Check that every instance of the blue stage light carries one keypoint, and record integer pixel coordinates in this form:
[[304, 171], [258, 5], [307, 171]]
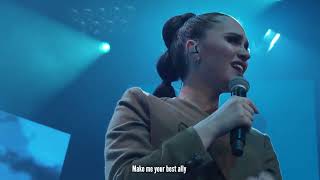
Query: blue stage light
[[271, 39], [105, 47], [274, 40]]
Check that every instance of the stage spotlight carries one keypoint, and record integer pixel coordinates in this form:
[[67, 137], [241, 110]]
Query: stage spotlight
[[105, 47], [271, 38], [46, 68], [273, 42]]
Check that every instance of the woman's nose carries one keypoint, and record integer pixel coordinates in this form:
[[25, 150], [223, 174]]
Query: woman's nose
[[244, 54]]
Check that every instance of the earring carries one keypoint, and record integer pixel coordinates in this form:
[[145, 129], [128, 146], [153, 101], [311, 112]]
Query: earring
[[196, 49]]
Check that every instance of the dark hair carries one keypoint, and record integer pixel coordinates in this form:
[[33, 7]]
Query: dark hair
[[172, 65]]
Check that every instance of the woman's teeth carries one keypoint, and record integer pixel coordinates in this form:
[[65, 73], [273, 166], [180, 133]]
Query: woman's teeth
[[238, 67]]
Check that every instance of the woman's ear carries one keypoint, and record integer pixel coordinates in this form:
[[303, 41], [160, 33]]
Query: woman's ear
[[193, 51], [192, 46]]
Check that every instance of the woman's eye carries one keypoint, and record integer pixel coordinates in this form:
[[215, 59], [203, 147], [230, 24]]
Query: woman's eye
[[233, 40]]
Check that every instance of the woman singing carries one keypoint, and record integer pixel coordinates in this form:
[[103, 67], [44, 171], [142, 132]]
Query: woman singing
[[164, 136]]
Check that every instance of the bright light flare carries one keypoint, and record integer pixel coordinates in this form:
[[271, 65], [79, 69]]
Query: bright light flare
[[274, 40], [105, 47], [271, 38]]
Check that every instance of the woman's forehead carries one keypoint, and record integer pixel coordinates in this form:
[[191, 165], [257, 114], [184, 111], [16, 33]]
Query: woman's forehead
[[227, 25]]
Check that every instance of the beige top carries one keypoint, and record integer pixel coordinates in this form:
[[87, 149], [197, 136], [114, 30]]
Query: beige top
[[150, 131]]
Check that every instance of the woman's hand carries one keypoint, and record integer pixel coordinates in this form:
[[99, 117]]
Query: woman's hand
[[235, 112], [262, 176]]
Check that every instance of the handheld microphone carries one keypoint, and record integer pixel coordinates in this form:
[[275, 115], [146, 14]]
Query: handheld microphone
[[238, 87]]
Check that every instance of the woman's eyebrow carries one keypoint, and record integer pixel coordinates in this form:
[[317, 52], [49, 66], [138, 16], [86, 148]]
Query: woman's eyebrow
[[246, 44]]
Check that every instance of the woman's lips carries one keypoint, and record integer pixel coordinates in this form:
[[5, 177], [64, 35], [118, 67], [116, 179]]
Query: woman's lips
[[239, 66]]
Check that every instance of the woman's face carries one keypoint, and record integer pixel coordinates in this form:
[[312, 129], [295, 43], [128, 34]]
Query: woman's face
[[223, 53]]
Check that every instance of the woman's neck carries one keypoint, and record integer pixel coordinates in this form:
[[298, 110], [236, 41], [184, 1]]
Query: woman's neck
[[206, 99]]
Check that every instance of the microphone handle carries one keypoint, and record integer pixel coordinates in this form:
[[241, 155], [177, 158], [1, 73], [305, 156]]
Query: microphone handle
[[238, 135], [238, 141]]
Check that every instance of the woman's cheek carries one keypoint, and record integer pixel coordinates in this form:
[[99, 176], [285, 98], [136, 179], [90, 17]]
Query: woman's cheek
[[229, 51]]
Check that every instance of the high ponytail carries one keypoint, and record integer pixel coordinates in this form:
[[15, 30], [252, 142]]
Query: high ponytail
[[168, 74], [167, 68]]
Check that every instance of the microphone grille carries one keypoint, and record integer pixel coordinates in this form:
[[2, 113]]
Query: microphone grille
[[239, 81]]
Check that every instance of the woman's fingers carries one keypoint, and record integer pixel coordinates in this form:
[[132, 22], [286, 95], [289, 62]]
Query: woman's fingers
[[250, 103], [248, 108]]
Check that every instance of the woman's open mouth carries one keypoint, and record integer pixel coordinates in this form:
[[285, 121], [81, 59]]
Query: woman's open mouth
[[239, 66]]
